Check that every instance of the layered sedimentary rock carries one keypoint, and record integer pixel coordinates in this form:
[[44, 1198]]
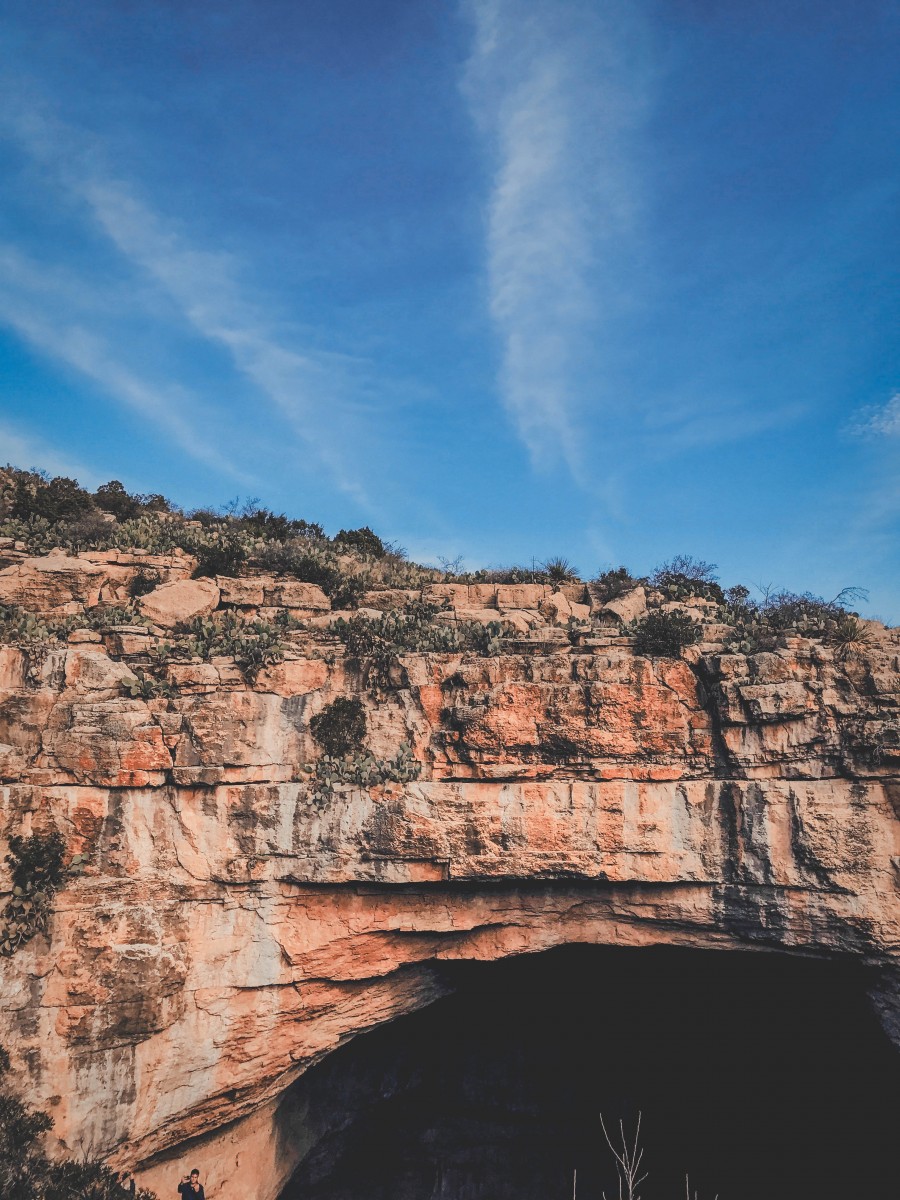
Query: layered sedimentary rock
[[228, 933]]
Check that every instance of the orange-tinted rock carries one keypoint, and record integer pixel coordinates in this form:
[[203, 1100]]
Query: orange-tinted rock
[[249, 593], [60, 583], [228, 934], [289, 593], [50, 584], [178, 603]]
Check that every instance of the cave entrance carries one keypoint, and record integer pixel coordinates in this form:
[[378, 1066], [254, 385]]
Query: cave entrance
[[762, 1075]]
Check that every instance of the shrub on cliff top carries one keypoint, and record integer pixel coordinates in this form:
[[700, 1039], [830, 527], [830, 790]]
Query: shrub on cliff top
[[611, 584], [363, 540], [56, 499], [686, 576], [560, 570], [665, 634], [113, 498]]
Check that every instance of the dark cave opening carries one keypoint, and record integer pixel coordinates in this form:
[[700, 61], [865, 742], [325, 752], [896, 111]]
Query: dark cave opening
[[762, 1075]]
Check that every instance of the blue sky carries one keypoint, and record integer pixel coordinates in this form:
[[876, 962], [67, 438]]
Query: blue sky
[[499, 278]]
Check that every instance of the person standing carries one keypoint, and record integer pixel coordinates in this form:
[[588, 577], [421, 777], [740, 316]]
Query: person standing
[[190, 1187]]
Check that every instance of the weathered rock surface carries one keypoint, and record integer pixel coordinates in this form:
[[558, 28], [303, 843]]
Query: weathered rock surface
[[177, 603], [228, 934], [60, 583]]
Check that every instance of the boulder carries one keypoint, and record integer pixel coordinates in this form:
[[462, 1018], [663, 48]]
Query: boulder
[[177, 603], [557, 608], [630, 607]]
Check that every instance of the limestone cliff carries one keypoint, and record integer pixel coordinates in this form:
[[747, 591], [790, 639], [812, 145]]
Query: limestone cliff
[[228, 932]]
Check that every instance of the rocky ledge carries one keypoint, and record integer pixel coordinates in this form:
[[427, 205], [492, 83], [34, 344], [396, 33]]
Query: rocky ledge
[[239, 918]]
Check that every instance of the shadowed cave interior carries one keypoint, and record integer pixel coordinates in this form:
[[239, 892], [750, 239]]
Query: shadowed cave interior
[[760, 1074]]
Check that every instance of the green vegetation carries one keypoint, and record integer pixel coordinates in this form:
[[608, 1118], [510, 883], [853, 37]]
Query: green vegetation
[[142, 686], [38, 870], [143, 583], [849, 636], [560, 570], [664, 634], [41, 513], [340, 727], [359, 769], [44, 513], [29, 631], [252, 644], [37, 634], [758, 625], [26, 1173], [611, 584], [376, 644], [685, 577], [362, 540]]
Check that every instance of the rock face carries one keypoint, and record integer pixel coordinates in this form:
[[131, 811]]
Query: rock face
[[228, 933], [173, 604]]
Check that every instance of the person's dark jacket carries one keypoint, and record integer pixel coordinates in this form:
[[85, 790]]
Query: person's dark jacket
[[186, 1191]]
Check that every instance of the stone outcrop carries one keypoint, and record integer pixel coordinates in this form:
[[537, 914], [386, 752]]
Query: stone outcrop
[[228, 933], [59, 583], [177, 603]]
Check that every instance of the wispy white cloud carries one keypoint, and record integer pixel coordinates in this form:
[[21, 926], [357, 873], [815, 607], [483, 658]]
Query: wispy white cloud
[[684, 423], [879, 421], [56, 312], [308, 388], [556, 90], [304, 387]]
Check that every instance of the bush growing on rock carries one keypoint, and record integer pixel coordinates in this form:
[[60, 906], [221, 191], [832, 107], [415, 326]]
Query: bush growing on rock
[[252, 644], [26, 1173], [361, 770], [310, 563], [113, 498], [38, 870], [141, 686], [340, 727], [222, 553], [144, 583], [363, 540], [611, 584], [376, 643], [758, 625], [18, 627], [560, 570], [268, 526], [55, 499], [685, 576], [665, 634]]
